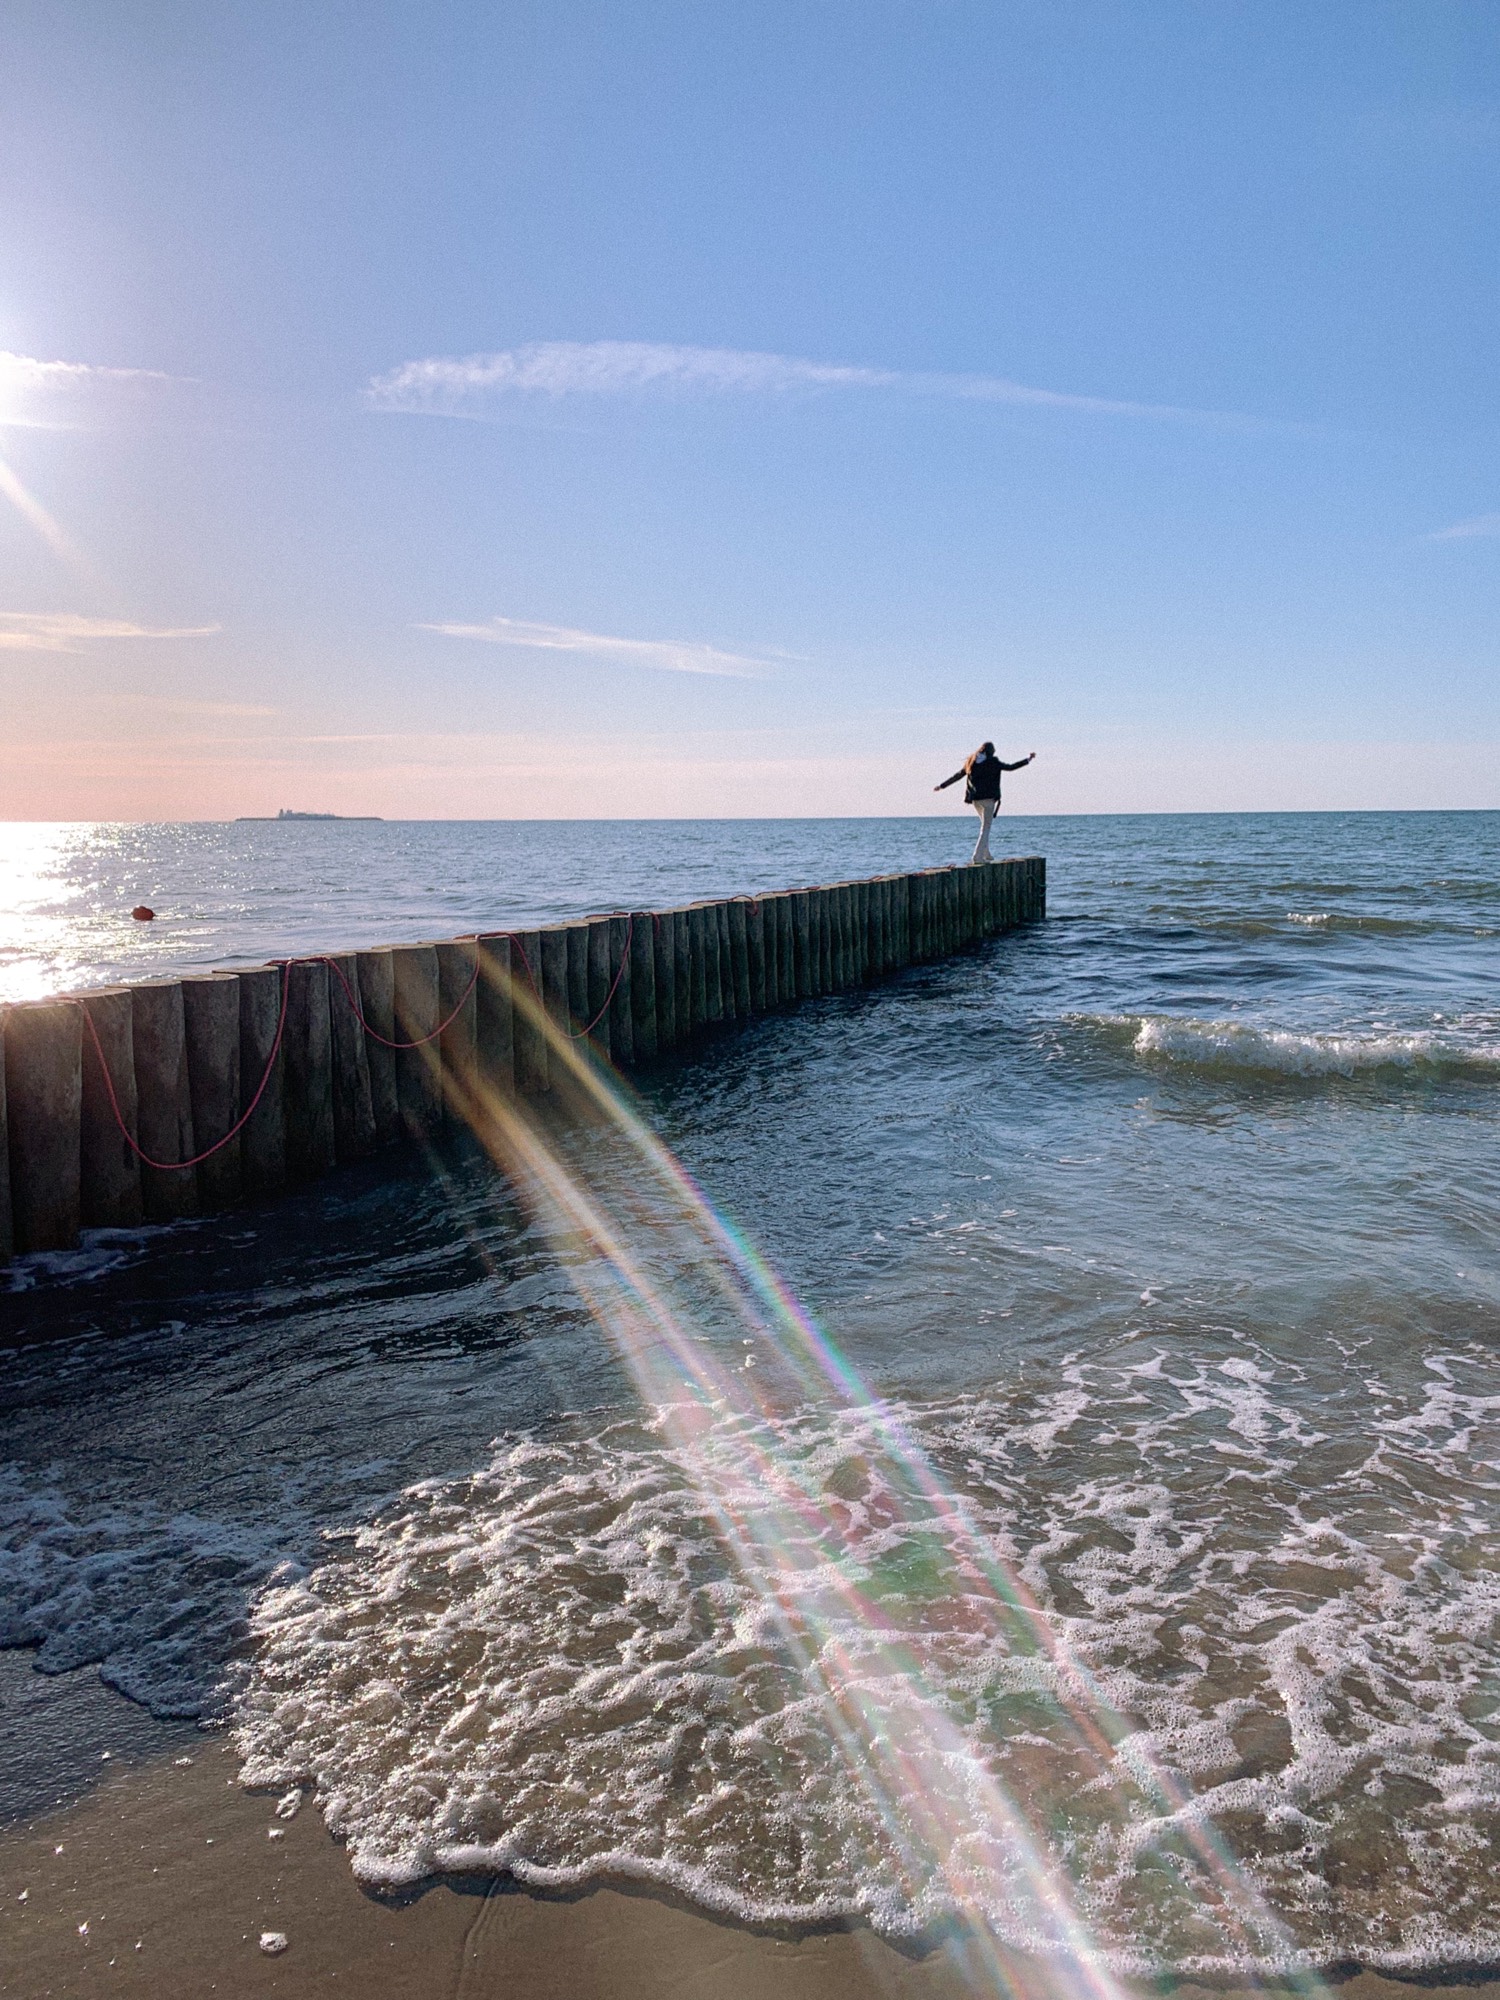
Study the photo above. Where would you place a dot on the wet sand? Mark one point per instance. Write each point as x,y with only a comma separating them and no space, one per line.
161,1880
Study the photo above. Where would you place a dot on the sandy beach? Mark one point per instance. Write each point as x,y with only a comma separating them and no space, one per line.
163,1879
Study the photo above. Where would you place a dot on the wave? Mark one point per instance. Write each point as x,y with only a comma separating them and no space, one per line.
554,1667
1395,927
1293,1052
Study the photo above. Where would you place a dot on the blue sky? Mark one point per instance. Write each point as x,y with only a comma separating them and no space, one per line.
642,408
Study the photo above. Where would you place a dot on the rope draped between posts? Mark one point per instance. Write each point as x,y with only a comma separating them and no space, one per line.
178,1166
577,1034
422,1040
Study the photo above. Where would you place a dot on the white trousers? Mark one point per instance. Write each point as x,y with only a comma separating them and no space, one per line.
986,811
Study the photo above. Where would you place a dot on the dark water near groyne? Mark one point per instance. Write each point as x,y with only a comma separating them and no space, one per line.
1166,1236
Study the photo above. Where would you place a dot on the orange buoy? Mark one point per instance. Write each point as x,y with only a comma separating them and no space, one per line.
141,914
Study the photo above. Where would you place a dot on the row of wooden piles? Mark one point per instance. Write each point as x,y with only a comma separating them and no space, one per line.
174,1064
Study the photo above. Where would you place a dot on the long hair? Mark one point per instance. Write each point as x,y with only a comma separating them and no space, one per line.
984,750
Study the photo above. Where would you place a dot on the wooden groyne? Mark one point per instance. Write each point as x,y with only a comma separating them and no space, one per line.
180,1097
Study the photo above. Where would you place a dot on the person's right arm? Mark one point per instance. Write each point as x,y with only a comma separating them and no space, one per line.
950,781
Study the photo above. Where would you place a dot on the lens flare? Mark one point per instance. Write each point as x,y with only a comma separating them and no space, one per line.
717,1345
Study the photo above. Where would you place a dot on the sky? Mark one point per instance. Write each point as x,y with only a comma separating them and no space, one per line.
642,409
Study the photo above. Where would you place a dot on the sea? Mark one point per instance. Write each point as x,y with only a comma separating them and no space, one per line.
1014,1447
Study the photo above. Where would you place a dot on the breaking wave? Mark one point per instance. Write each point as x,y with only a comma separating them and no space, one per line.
1293,1052
553,1667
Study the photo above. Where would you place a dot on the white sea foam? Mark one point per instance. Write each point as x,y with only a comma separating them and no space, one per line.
1255,1047
555,1667
99,1252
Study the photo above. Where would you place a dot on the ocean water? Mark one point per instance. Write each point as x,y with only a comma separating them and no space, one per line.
1015,1446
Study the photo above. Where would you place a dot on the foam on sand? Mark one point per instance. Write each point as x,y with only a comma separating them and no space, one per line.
554,1667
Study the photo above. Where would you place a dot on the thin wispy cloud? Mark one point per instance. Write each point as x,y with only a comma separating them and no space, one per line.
65,632
169,705
672,656
477,385
53,395
1482,527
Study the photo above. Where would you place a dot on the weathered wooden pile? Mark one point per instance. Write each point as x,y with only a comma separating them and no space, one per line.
178,1097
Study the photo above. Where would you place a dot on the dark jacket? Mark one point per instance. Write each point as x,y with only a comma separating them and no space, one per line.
983,777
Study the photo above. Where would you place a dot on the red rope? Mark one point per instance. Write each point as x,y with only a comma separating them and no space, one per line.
516,941
177,1166
577,1034
422,1040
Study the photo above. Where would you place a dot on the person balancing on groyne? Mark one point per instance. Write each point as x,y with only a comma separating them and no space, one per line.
981,775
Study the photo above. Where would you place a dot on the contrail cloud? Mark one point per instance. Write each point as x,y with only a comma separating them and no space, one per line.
478,385
673,656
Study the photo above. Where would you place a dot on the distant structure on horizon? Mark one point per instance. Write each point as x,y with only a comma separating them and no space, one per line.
265,819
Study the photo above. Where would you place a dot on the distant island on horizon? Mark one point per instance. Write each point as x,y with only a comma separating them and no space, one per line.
270,819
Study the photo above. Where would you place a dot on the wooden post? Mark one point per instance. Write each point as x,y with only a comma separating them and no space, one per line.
414,1004
263,1138
555,978
353,1100
308,1049
694,928
823,942
770,916
458,998
164,1105
621,1030
579,1011
533,1071
664,952
755,942
110,1170
841,947
211,1021
810,971
739,955
44,1099
801,902
601,976
375,984
726,960
496,1025
713,981
643,987
682,960
828,900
